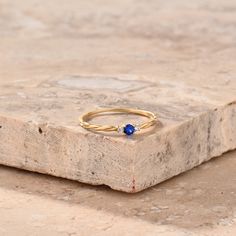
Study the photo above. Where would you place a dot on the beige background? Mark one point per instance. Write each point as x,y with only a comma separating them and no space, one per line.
199,202
181,52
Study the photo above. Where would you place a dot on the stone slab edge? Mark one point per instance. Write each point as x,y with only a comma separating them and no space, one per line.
126,166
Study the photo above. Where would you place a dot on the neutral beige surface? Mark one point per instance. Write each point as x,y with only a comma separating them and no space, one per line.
201,202
175,58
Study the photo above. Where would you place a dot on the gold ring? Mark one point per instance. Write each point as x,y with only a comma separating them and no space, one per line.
127,129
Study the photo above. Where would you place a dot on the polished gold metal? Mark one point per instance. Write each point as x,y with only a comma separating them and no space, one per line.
152,119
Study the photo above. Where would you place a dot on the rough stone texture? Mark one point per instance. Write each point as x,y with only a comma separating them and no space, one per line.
200,202
57,61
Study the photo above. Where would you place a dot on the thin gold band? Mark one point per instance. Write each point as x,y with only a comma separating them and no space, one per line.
87,116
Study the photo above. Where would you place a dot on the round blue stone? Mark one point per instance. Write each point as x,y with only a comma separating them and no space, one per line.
129,129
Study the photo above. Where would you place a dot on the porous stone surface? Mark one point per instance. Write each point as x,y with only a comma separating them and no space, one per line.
176,59
200,202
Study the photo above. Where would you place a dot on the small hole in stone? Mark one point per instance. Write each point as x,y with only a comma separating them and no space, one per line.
0,126
93,173
40,130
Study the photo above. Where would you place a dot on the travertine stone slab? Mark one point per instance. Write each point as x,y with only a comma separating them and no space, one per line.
201,202
58,61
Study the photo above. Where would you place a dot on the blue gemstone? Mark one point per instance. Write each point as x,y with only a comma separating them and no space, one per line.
129,129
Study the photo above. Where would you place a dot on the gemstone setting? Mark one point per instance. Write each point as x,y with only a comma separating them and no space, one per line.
129,129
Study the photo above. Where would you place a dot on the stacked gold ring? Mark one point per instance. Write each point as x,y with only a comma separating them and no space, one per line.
128,129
